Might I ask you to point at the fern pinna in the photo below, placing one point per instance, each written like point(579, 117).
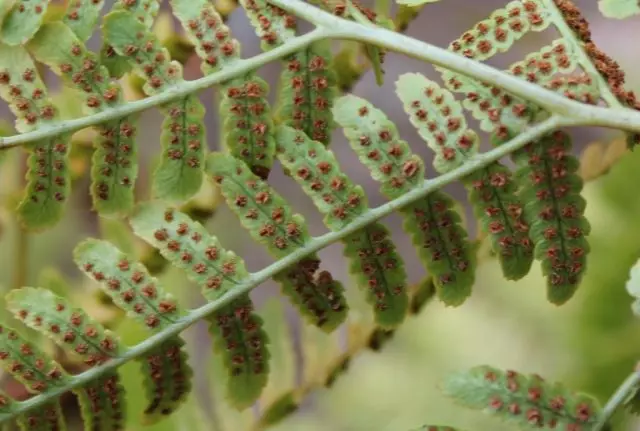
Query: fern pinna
point(535, 212)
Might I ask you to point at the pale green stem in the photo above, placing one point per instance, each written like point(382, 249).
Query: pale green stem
point(333, 27)
point(617, 399)
point(315, 245)
point(569, 36)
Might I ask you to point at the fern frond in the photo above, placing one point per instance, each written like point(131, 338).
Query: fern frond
point(82, 16)
point(374, 261)
point(103, 401)
point(528, 401)
point(145, 11)
point(115, 165)
point(432, 222)
point(308, 87)
point(22, 21)
point(179, 174)
point(502, 29)
point(236, 329)
point(271, 222)
point(551, 187)
point(492, 190)
point(48, 176)
point(37, 372)
point(167, 375)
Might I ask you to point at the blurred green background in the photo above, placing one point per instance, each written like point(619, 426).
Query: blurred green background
point(591, 343)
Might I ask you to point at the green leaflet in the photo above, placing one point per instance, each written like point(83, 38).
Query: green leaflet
point(179, 175)
point(82, 16)
point(145, 11)
point(115, 166)
point(272, 25)
point(551, 187)
point(205, 28)
point(248, 126)
point(47, 418)
point(22, 21)
point(492, 192)
point(374, 261)
point(73, 330)
point(502, 29)
point(439, 120)
point(166, 371)
point(236, 329)
point(619, 9)
point(433, 224)
point(308, 87)
point(528, 401)
point(48, 177)
point(271, 222)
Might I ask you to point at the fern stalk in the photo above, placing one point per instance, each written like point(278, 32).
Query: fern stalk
point(267, 273)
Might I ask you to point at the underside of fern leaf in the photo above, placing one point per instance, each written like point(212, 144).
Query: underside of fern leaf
point(527, 401)
point(374, 262)
point(48, 178)
point(167, 375)
point(179, 174)
point(492, 190)
point(270, 221)
point(432, 222)
point(236, 329)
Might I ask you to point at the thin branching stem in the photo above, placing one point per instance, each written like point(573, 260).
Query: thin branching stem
point(621, 395)
point(315, 245)
point(333, 27)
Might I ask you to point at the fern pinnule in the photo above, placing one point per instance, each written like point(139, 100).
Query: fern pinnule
point(432, 222)
point(244, 109)
point(145, 11)
point(114, 163)
point(524, 400)
point(103, 401)
point(22, 21)
point(374, 261)
point(492, 190)
point(271, 222)
point(179, 175)
point(273, 25)
point(502, 29)
point(82, 16)
point(551, 187)
point(167, 375)
point(48, 176)
point(236, 329)
point(25, 362)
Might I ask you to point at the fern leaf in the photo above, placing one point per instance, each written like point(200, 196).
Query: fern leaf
point(502, 29)
point(492, 191)
point(527, 401)
point(273, 25)
point(72, 329)
point(551, 188)
point(145, 11)
point(82, 16)
point(619, 9)
point(166, 371)
point(22, 21)
point(26, 363)
point(205, 28)
point(115, 165)
point(179, 175)
point(48, 177)
point(236, 329)
point(271, 222)
point(432, 222)
point(308, 87)
point(248, 127)
point(374, 261)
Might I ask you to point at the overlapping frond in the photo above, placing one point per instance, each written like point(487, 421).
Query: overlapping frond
point(432, 222)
